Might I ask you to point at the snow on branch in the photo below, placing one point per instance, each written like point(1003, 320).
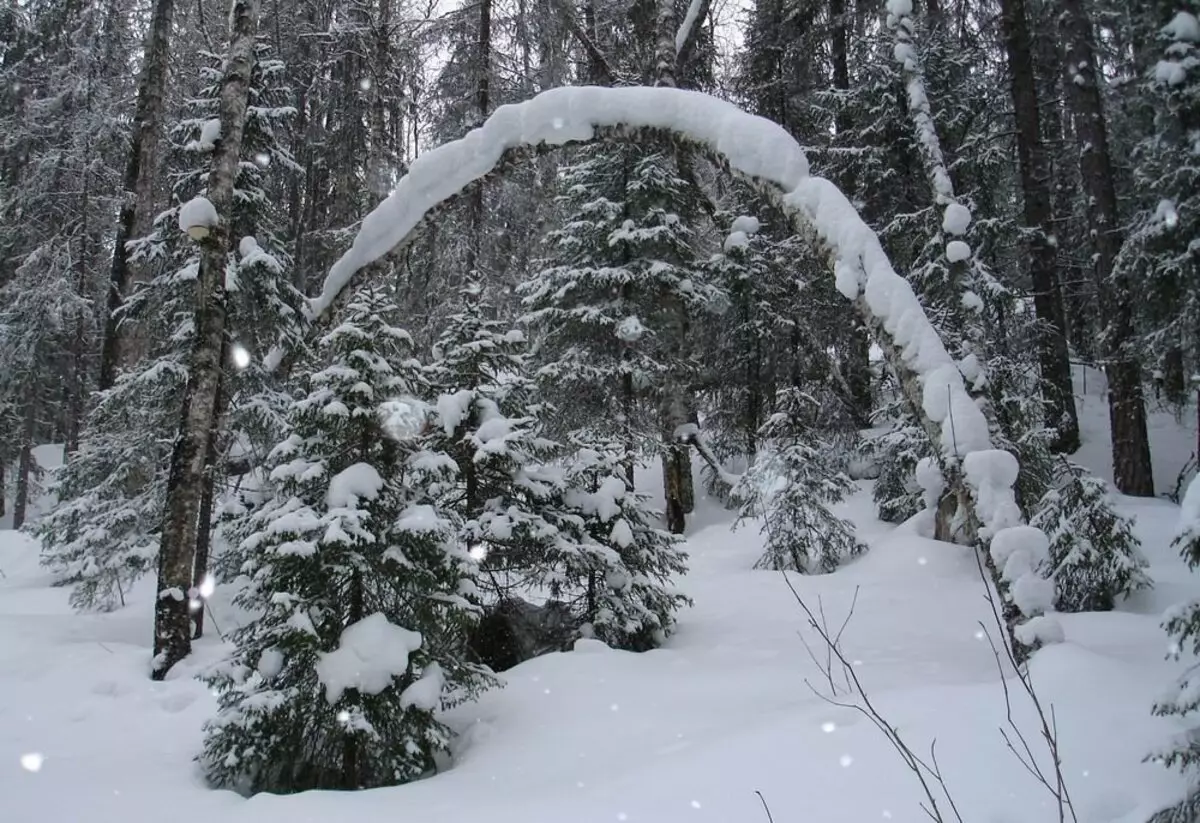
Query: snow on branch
point(750, 146)
point(754, 146)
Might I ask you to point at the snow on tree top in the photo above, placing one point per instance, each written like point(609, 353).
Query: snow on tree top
point(957, 251)
point(198, 212)
point(1184, 26)
point(746, 224)
point(210, 133)
point(956, 219)
point(370, 654)
point(358, 482)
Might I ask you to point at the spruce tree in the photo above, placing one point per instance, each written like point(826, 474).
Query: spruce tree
point(1183, 624)
point(105, 532)
point(358, 585)
point(1095, 557)
point(791, 487)
point(540, 516)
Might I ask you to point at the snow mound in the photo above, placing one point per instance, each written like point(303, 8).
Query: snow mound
point(1184, 26)
point(956, 219)
point(370, 654)
point(358, 482)
point(198, 212)
point(957, 251)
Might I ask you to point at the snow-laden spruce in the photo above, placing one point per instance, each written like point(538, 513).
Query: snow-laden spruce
point(543, 517)
point(1094, 557)
point(358, 590)
point(1183, 700)
point(791, 487)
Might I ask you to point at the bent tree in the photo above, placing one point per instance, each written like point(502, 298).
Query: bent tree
point(978, 478)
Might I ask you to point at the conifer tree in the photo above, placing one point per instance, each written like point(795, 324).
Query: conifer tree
point(539, 515)
point(104, 534)
point(791, 487)
point(1095, 557)
point(358, 584)
point(1183, 624)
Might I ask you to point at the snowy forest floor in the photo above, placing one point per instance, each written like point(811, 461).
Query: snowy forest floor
point(686, 733)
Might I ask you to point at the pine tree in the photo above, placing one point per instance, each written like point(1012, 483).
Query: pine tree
point(358, 585)
point(1095, 558)
point(1183, 624)
point(791, 487)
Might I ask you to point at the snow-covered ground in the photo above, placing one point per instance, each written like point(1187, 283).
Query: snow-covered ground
point(684, 734)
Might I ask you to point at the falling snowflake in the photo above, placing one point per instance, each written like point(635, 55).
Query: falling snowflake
point(365, 84)
point(239, 355)
point(32, 762)
point(829, 727)
point(845, 760)
point(343, 716)
point(695, 804)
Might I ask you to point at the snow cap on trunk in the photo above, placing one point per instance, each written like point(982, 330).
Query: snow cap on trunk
point(197, 217)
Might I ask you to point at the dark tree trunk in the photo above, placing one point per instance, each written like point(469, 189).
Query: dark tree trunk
point(483, 86)
point(857, 357)
point(172, 618)
point(204, 521)
point(1126, 407)
point(139, 173)
point(25, 467)
point(1053, 357)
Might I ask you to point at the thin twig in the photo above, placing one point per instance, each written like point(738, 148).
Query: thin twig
point(766, 808)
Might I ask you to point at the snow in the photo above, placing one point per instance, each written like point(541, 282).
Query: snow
point(360, 481)
point(630, 329)
point(210, 133)
point(754, 147)
point(1184, 26)
point(426, 692)
point(685, 28)
point(685, 734)
point(247, 246)
point(1170, 72)
point(453, 409)
point(956, 219)
point(735, 240)
point(746, 224)
point(957, 251)
point(370, 654)
point(198, 212)
point(899, 8)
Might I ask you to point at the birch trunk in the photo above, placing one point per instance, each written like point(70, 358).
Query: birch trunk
point(139, 175)
point(172, 620)
point(1053, 357)
point(1126, 406)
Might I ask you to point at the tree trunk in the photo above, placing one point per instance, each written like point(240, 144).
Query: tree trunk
point(139, 174)
point(1053, 358)
point(172, 620)
point(25, 467)
point(483, 87)
point(204, 520)
point(1126, 407)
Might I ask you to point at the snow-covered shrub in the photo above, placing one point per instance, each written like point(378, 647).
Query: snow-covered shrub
point(359, 588)
point(1095, 558)
point(791, 486)
point(1183, 624)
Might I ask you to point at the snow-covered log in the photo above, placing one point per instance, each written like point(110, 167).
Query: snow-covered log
point(762, 153)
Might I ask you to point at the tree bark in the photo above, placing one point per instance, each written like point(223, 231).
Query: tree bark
point(1053, 357)
point(25, 467)
point(139, 174)
point(1132, 472)
point(172, 619)
point(483, 87)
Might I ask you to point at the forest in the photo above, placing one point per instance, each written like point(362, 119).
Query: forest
point(381, 380)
